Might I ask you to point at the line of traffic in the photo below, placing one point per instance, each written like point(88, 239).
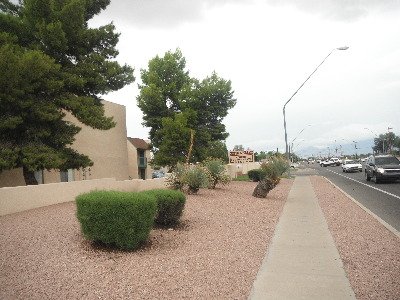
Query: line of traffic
point(372, 187)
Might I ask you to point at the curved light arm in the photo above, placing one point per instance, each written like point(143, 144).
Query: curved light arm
point(284, 106)
point(300, 133)
point(339, 48)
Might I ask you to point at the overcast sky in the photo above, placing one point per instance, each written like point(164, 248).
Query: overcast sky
point(267, 49)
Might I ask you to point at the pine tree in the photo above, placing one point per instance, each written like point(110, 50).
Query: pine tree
point(52, 63)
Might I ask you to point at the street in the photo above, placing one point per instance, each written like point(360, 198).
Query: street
point(382, 199)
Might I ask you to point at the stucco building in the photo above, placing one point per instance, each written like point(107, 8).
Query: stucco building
point(110, 151)
point(138, 158)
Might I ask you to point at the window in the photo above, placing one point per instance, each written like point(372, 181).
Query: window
point(39, 176)
point(64, 176)
point(67, 176)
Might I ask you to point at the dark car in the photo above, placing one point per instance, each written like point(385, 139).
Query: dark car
point(382, 167)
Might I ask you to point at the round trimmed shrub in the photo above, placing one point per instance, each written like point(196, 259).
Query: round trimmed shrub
point(116, 218)
point(170, 205)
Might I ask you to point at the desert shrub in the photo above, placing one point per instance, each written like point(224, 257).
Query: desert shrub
point(275, 167)
point(176, 179)
point(256, 174)
point(196, 177)
point(216, 171)
point(116, 218)
point(170, 205)
point(188, 178)
point(273, 170)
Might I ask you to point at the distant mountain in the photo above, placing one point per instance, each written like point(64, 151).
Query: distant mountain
point(363, 147)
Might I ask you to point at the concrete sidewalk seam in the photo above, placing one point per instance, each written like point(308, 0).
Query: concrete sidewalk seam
point(388, 226)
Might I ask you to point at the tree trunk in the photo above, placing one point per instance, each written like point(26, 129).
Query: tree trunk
point(263, 187)
point(29, 177)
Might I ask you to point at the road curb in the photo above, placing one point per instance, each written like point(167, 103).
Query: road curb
point(388, 227)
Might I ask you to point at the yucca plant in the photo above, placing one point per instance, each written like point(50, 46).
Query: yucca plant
point(216, 171)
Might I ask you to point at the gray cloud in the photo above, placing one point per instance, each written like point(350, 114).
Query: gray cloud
point(172, 13)
point(161, 13)
point(344, 10)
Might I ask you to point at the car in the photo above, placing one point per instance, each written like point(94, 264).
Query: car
point(382, 168)
point(158, 174)
point(349, 165)
point(336, 161)
point(327, 162)
point(294, 165)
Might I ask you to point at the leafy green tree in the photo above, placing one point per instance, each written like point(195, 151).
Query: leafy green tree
point(160, 92)
point(217, 149)
point(168, 90)
point(386, 143)
point(260, 156)
point(176, 141)
point(52, 63)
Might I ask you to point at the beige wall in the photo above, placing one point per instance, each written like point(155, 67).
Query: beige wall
point(149, 169)
point(16, 199)
point(106, 148)
point(234, 169)
point(12, 177)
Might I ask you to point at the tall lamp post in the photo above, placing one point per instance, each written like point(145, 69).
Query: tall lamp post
point(284, 106)
point(291, 149)
point(355, 147)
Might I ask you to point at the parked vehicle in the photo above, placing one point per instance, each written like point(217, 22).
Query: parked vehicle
point(382, 167)
point(351, 166)
point(327, 162)
point(158, 174)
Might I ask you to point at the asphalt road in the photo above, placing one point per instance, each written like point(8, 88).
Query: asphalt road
point(382, 199)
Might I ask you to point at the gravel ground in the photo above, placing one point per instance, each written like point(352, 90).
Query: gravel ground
point(214, 254)
point(370, 253)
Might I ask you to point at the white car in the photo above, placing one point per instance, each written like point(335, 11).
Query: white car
point(351, 166)
point(336, 161)
point(326, 163)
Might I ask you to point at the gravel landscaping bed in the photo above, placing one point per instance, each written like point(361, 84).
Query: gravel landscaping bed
point(214, 254)
point(370, 253)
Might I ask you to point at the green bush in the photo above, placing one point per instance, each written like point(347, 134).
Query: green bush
point(188, 177)
point(170, 205)
point(256, 174)
point(116, 218)
point(216, 171)
point(176, 180)
point(196, 177)
point(274, 168)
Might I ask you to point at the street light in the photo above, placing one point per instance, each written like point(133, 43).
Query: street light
point(284, 106)
point(355, 147)
point(291, 149)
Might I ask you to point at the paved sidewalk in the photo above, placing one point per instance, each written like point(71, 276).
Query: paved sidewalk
point(302, 261)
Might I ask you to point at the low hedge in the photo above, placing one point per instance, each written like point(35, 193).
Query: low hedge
point(116, 218)
point(170, 205)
